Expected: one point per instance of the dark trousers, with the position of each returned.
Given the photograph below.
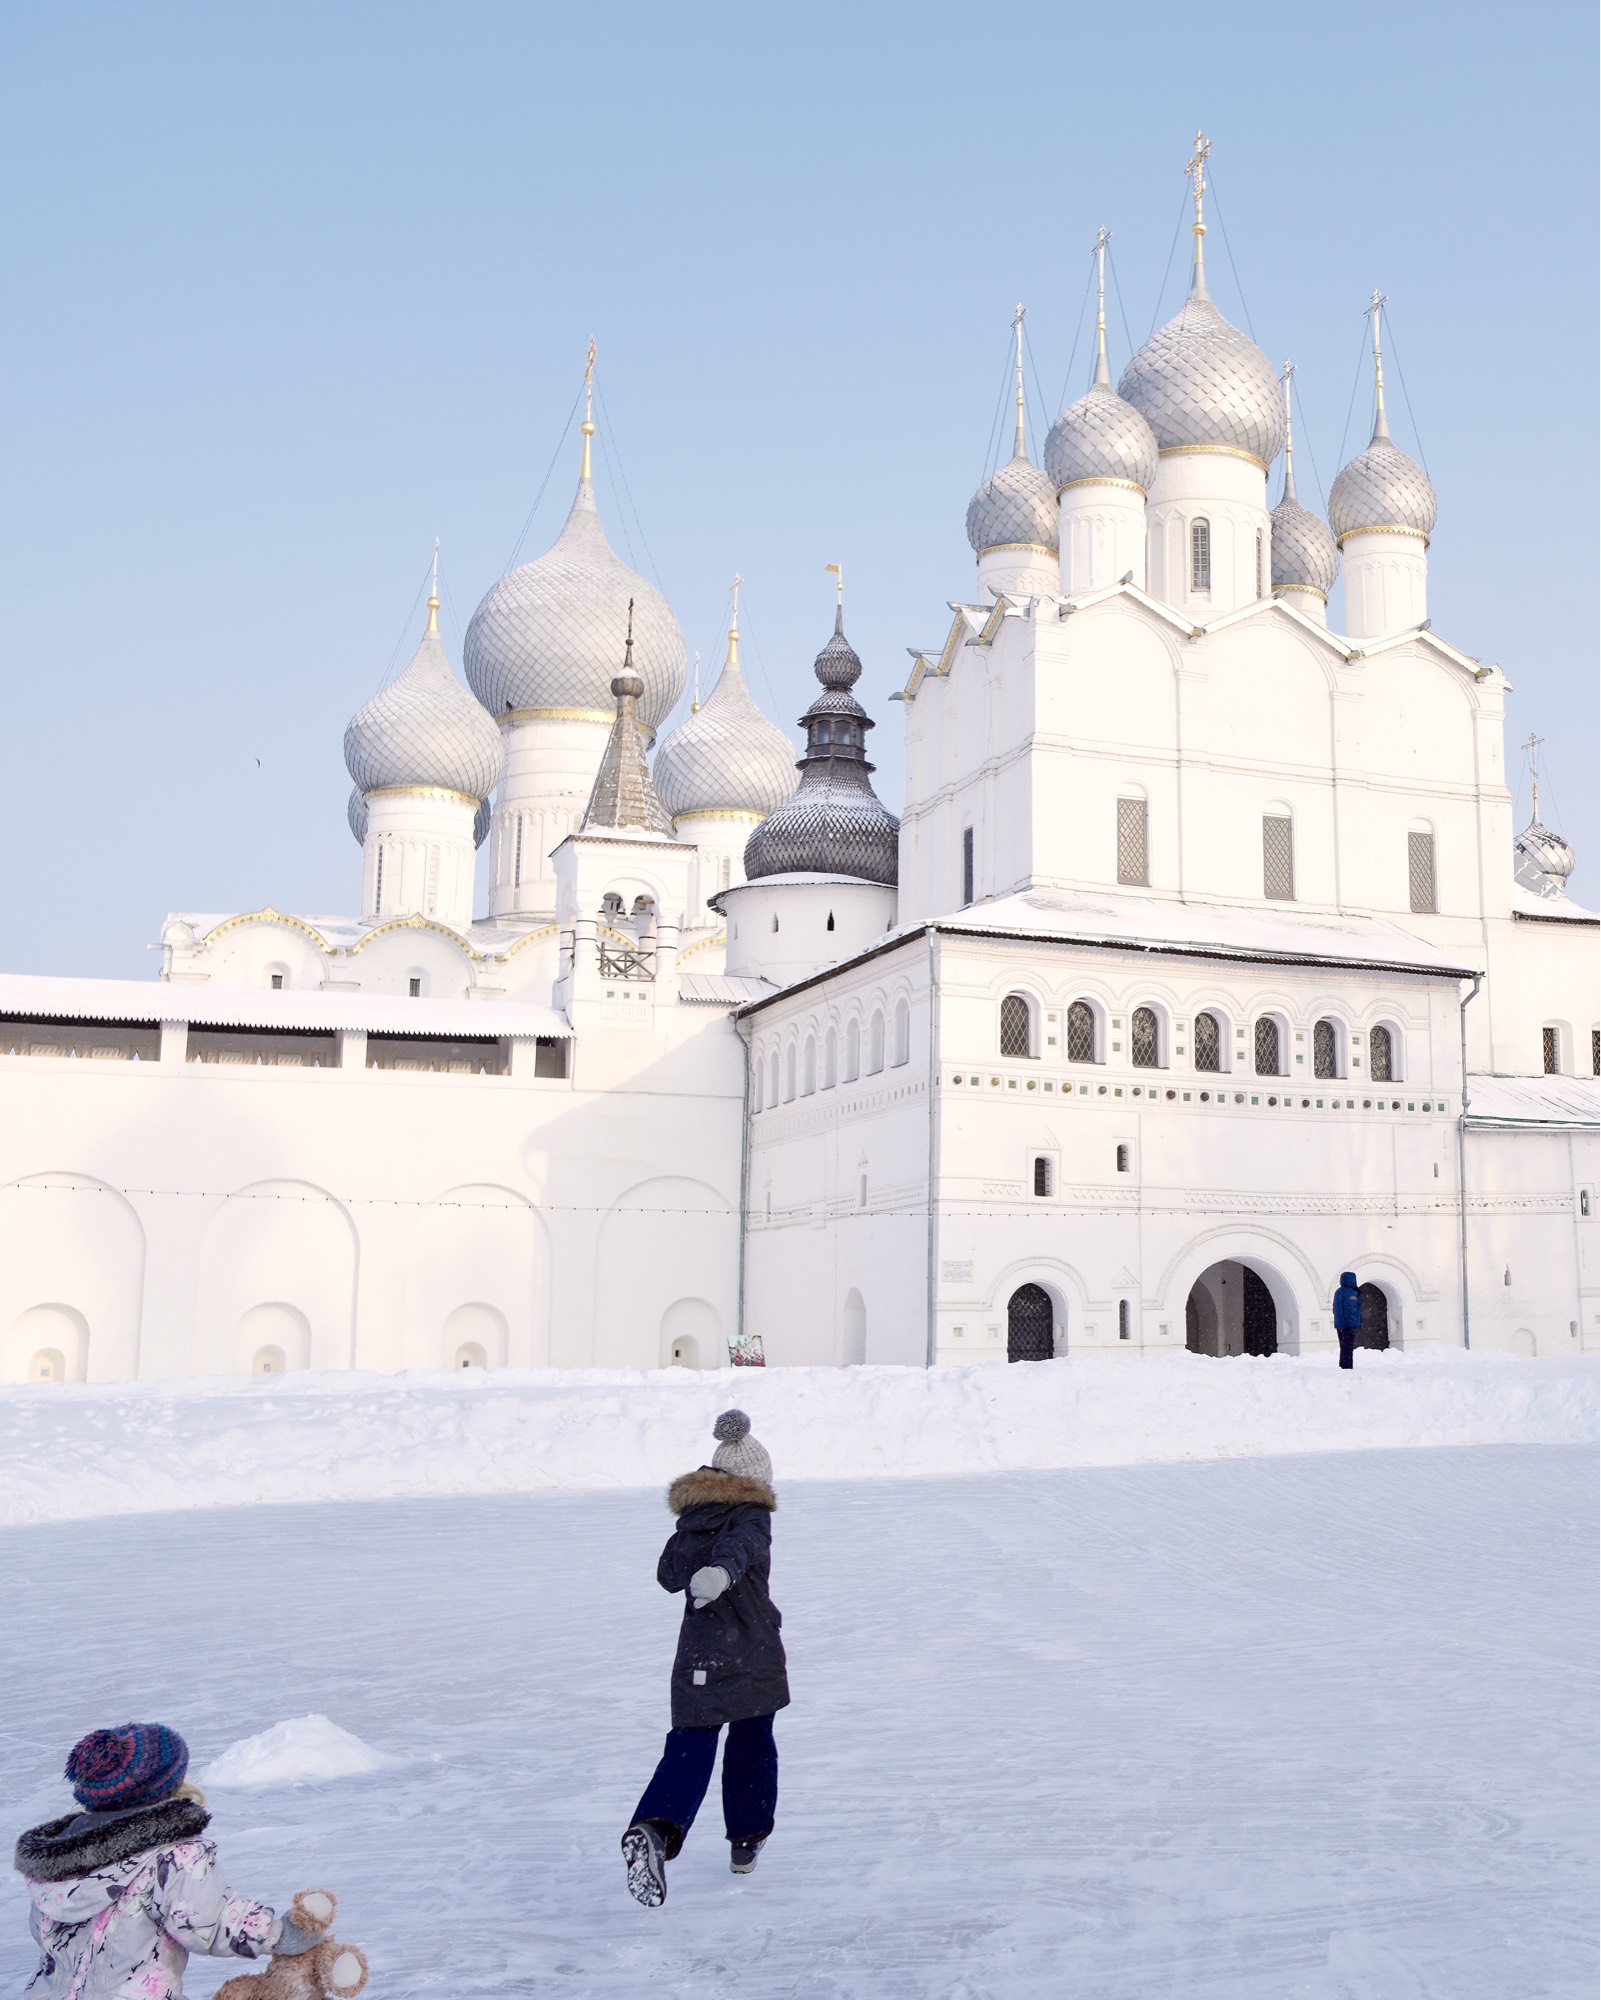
(750, 1781)
(1347, 1346)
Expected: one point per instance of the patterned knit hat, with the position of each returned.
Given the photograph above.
(111, 1769)
(738, 1451)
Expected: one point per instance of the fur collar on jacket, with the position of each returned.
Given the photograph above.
(726, 1489)
(63, 1849)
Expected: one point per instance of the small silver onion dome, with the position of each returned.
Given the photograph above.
(548, 635)
(726, 756)
(1015, 505)
(1542, 860)
(1304, 555)
(1382, 488)
(1101, 437)
(425, 729)
(1200, 383)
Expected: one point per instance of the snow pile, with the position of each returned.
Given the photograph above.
(73, 1451)
(308, 1750)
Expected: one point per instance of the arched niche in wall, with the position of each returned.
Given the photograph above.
(272, 1338)
(690, 1336)
(853, 1330)
(476, 1336)
(277, 1244)
(666, 1238)
(482, 1250)
(46, 1343)
(70, 1242)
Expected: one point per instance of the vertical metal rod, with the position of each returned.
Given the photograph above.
(1462, 1156)
(932, 935)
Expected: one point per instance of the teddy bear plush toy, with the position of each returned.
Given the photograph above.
(328, 1971)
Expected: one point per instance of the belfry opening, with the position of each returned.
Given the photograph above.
(1231, 1310)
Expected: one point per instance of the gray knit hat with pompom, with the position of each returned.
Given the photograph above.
(737, 1451)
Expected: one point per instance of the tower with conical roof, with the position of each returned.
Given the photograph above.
(1382, 510)
(1011, 519)
(1305, 559)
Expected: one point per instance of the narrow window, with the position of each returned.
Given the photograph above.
(1323, 1046)
(861, 1191)
(1278, 858)
(1267, 1047)
(775, 920)
(809, 1068)
(1042, 1175)
(1381, 1056)
(1124, 1331)
(517, 856)
(415, 986)
(1420, 870)
(830, 1059)
(1259, 563)
(1584, 1201)
(875, 1045)
(1201, 555)
(1208, 1043)
(1014, 1026)
(1080, 1032)
(903, 1032)
(1550, 1047)
(1122, 1159)
(277, 982)
(1144, 1041)
(967, 866)
(853, 1050)
(830, 925)
(1133, 858)
(1595, 1051)
(378, 887)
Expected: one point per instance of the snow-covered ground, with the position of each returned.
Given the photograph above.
(72, 1451)
(1313, 1726)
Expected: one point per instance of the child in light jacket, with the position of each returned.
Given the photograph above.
(125, 1888)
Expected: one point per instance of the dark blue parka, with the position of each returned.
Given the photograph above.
(730, 1662)
(1348, 1305)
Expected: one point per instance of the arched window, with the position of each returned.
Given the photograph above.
(1133, 845)
(1278, 857)
(1267, 1047)
(1145, 1052)
(1081, 1032)
(1015, 1026)
(875, 1044)
(1030, 1325)
(775, 920)
(1208, 1043)
(1325, 1050)
(830, 1059)
(853, 1049)
(789, 1073)
(1381, 1056)
(1200, 555)
(967, 866)
(903, 1032)
(1125, 1329)
(756, 1084)
(809, 1067)
(772, 1077)
(1420, 870)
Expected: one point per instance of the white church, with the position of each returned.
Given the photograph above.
(1204, 963)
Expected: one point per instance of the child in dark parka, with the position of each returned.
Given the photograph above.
(730, 1666)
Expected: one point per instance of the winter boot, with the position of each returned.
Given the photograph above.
(645, 1852)
(742, 1854)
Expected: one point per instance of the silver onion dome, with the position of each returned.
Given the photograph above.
(1016, 505)
(1382, 488)
(425, 729)
(726, 756)
(1100, 436)
(548, 635)
(356, 814)
(1542, 860)
(833, 823)
(1202, 384)
(1304, 555)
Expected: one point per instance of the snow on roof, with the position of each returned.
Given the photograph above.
(33, 996)
(1550, 909)
(1533, 1100)
(723, 989)
(487, 938)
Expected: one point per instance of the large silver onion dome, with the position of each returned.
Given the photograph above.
(1015, 505)
(1202, 384)
(548, 635)
(1382, 488)
(727, 756)
(425, 729)
(834, 824)
(1101, 437)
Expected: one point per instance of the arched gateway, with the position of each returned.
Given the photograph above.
(1231, 1310)
(1030, 1328)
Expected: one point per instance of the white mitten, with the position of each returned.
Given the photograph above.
(708, 1583)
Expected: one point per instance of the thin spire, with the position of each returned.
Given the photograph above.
(1289, 447)
(1533, 748)
(1020, 447)
(1374, 311)
(694, 704)
(433, 592)
(837, 571)
(588, 425)
(731, 657)
(1103, 375)
(1195, 169)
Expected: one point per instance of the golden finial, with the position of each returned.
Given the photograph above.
(1373, 311)
(1195, 170)
(588, 425)
(837, 572)
(1103, 374)
(1020, 448)
(731, 658)
(433, 592)
(1289, 446)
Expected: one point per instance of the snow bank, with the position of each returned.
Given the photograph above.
(72, 1451)
(308, 1750)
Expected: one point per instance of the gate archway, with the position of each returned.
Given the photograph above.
(1375, 1328)
(1030, 1325)
(1231, 1309)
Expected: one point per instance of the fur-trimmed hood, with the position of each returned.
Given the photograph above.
(63, 1849)
(706, 1485)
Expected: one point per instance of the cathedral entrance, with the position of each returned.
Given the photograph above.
(1231, 1310)
(1030, 1325)
(1375, 1327)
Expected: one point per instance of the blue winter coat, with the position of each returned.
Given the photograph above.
(730, 1662)
(1348, 1305)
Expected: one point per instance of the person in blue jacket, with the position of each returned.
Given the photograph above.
(730, 1668)
(1348, 1317)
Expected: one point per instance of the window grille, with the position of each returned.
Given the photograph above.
(1208, 1043)
(1323, 1047)
(517, 857)
(378, 887)
(1381, 1057)
(1122, 1159)
(277, 982)
(1124, 1331)
(1143, 1040)
(414, 987)
(1420, 870)
(1595, 1051)
(1080, 1032)
(1201, 555)
(1278, 858)
(1014, 1026)
(1133, 858)
(1042, 1175)
(1030, 1325)
(1548, 1038)
(967, 866)
(1267, 1047)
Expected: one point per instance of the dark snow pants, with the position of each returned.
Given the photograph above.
(1348, 1346)
(750, 1781)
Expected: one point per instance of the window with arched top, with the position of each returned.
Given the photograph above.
(1081, 1032)
(1381, 1056)
(853, 1049)
(1016, 1026)
(1325, 1050)
(967, 866)
(1144, 1039)
(1208, 1043)
(1278, 857)
(875, 1044)
(809, 1067)
(1133, 844)
(1422, 892)
(789, 1073)
(772, 1077)
(1268, 1046)
(756, 1084)
(903, 1033)
(1200, 555)
(830, 1059)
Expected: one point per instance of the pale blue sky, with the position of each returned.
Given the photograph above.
(291, 290)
